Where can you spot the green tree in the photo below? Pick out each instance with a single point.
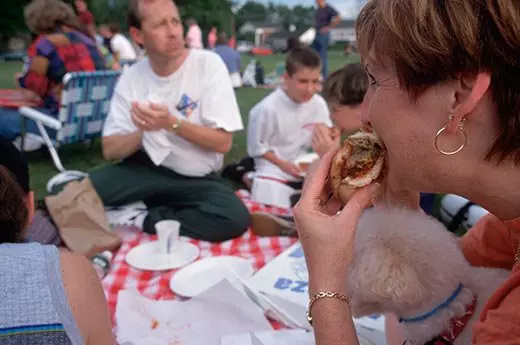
(11, 19)
(251, 11)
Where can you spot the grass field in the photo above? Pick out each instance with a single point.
(79, 157)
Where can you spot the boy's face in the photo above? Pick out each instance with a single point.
(303, 84)
(346, 117)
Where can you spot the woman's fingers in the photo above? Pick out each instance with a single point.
(317, 178)
(362, 198)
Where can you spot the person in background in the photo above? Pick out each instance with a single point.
(86, 18)
(194, 35)
(326, 18)
(231, 58)
(343, 92)
(120, 46)
(233, 41)
(41, 229)
(171, 120)
(212, 37)
(58, 48)
(280, 129)
(444, 98)
(49, 296)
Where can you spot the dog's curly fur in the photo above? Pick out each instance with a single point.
(407, 263)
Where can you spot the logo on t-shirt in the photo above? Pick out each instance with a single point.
(186, 105)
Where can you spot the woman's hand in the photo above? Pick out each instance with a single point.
(325, 139)
(326, 232)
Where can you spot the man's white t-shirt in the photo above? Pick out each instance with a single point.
(280, 125)
(123, 47)
(199, 92)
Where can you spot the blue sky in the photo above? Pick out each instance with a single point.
(347, 8)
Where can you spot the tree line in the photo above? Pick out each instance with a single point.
(226, 15)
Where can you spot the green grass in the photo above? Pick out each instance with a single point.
(79, 157)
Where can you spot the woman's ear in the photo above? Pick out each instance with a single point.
(469, 92)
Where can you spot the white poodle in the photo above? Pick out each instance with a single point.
(408, 264)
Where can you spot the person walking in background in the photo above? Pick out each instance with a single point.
(194, 35)
(326, 18)
(231, 58)
(212, 38)
(86, 18)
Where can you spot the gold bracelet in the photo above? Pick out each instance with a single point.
(324, 294)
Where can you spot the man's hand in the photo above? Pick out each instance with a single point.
(290, 168)
(152, 117)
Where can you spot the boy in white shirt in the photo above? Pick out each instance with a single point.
(120, 46)
(171, 120)
(281, 126)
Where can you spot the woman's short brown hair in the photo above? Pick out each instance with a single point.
(45, 16)
(346, 86)
(433, 41)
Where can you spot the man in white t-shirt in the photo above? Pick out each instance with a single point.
(194, 35)
(120, 46)
(281, 126)
(171, 121)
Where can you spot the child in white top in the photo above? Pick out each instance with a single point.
(281, 125)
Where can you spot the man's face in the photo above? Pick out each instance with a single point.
(303, 84)
(161, 31)
(320, 3)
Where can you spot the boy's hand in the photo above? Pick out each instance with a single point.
(290, 168)
(324, 139)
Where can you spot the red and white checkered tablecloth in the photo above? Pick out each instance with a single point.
(155, 285)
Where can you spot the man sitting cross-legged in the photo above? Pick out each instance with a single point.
(170, 123)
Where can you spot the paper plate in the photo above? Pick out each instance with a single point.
(304, 161)
(146, 256)
(196, 278)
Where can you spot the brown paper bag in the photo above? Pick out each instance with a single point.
(80, 216)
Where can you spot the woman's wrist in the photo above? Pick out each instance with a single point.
(335, 283)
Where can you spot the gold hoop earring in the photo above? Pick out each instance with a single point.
(460, 128)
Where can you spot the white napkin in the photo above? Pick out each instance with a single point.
(156, 143)
(221, 310)
(281, 337)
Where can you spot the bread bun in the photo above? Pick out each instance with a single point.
(358, 162)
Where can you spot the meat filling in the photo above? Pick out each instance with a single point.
(364, 155)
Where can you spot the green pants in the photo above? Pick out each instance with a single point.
(206, 207)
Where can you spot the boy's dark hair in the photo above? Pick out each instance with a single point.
(346, 86)
(114, 28)
(302, 57)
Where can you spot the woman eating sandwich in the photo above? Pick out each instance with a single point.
(444, 99)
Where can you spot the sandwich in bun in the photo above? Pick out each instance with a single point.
(358, 163)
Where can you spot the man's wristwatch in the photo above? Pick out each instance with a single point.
(175, 127)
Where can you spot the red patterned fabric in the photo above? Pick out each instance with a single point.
(155, 285)
(456, 327)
